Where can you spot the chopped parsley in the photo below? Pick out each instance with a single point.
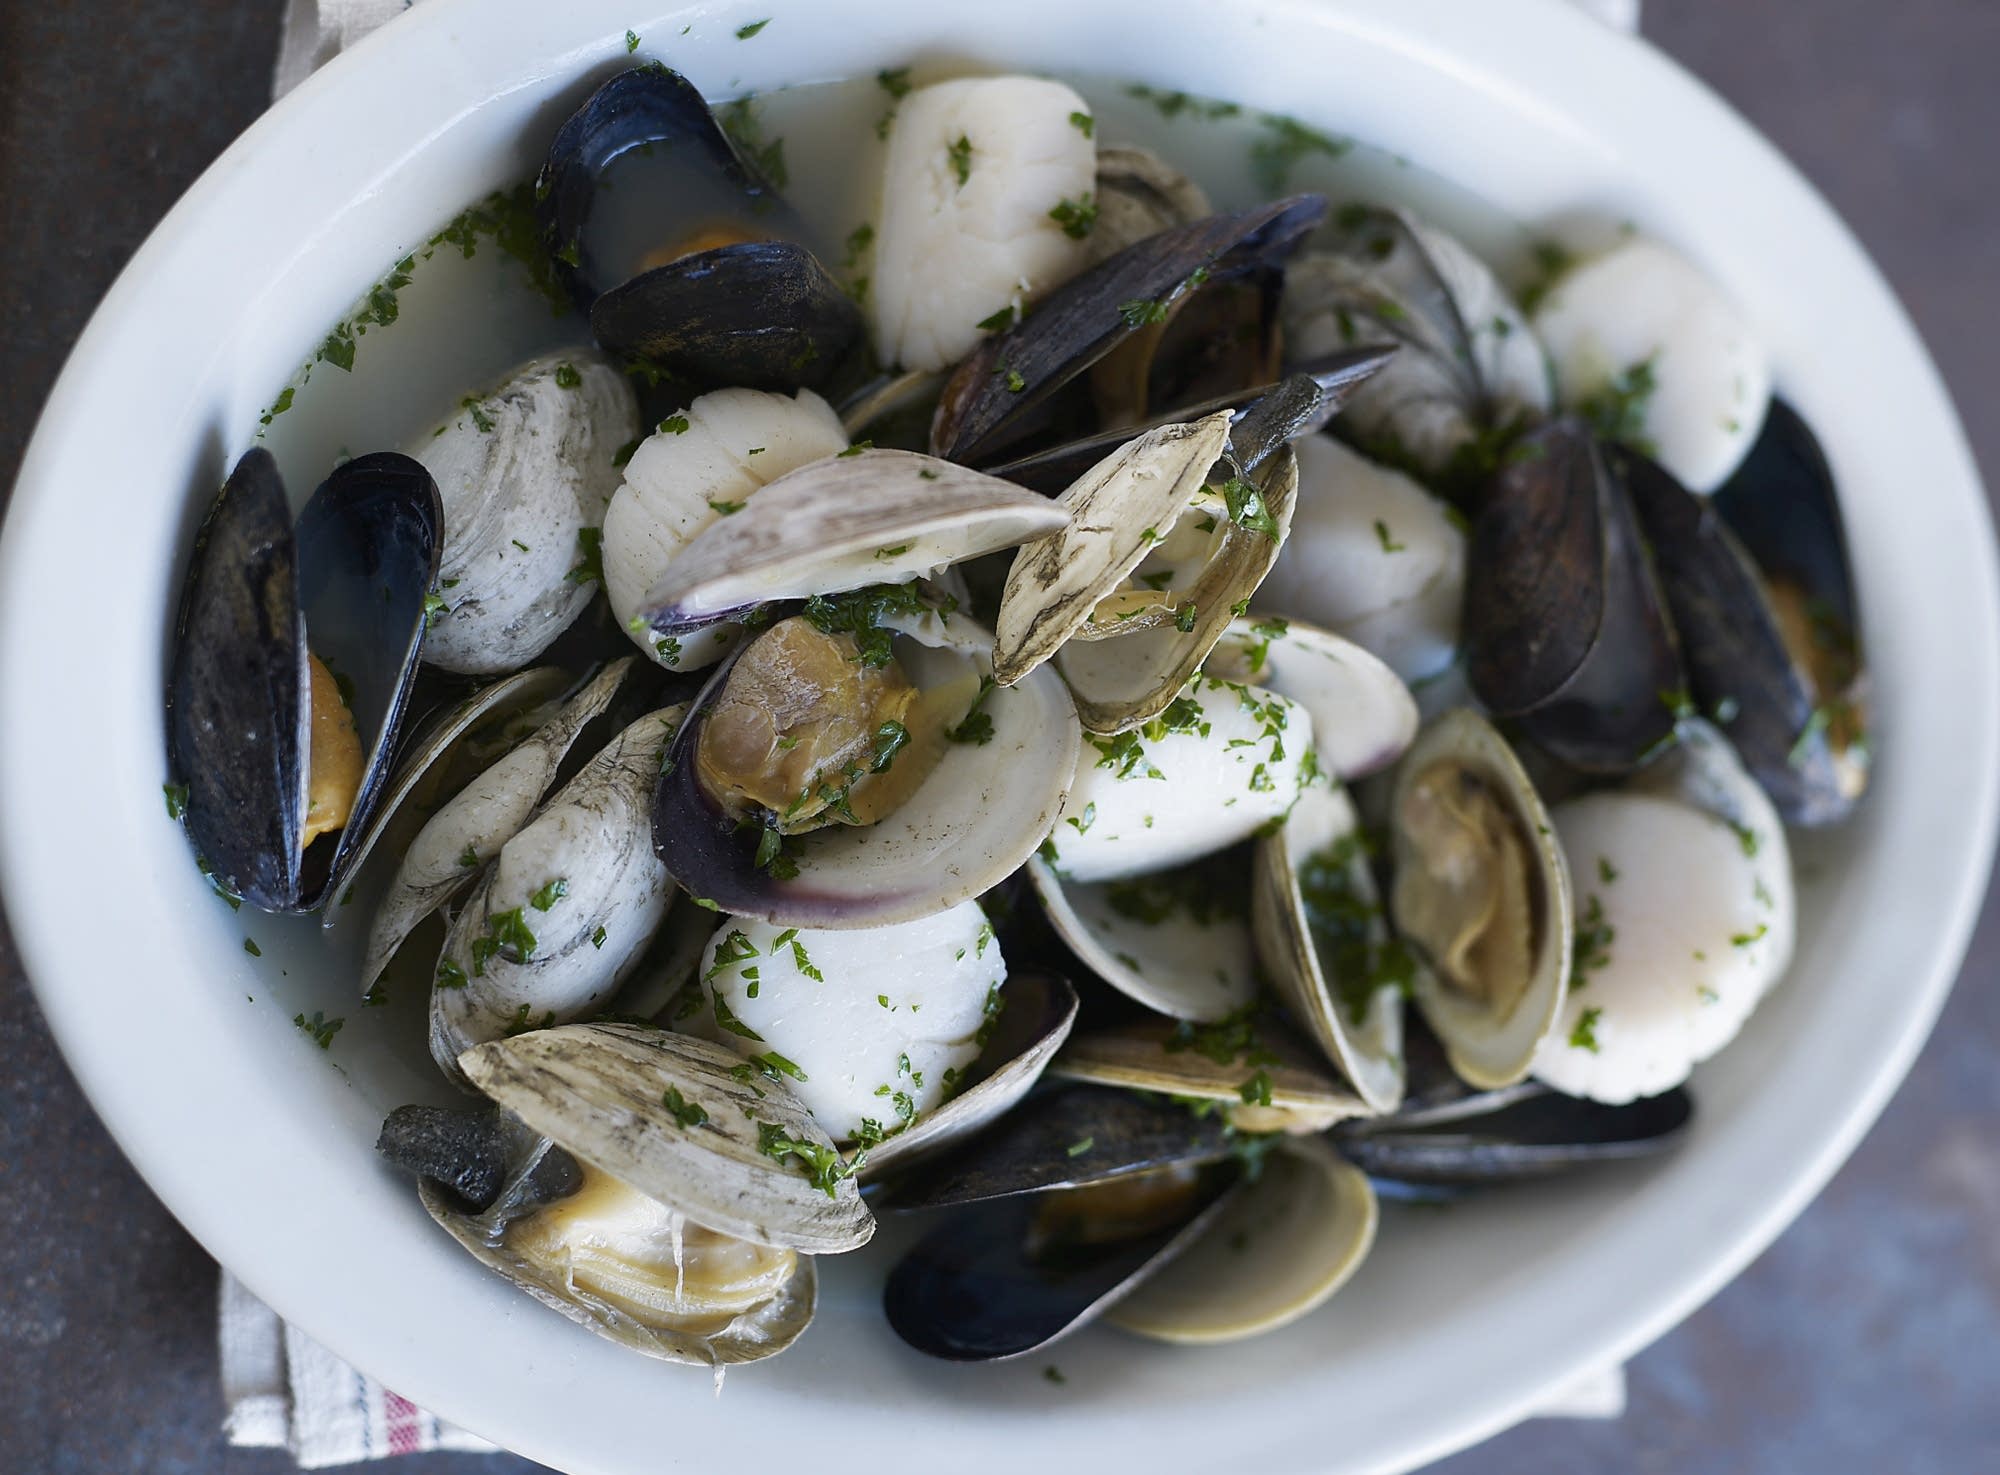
(177, 799)
(689, 1114)
(895, 81)
(1247, 508)
(746, 130)
(824, 1168)
(319, 1028)
(1080, 1147)
(1257, 1090)
(976, 727)
(590, 557)
(250, 947)
(1138, 312)
(674, 425)
(1228, 1040)
(435, 608)
(449, 974)
(551, 893)
(1745, 939)
(1606, 871)
(567, 376)
(1584, 1036)
(1077, 217)
(1083, 123)
(631, 42)
(504, 930)
(725, 509)
(1000, 321)
(744, 33)
(1617, 409)
(1357, 954)
(1285, 142)
(960, 155)
(1389, 544)
(861, 614)
(1592, 948)
(597, 938)
(1173, 104)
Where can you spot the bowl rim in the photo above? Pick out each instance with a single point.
(1484, 54)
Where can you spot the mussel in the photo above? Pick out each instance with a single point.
(683, 254)
(292, 667)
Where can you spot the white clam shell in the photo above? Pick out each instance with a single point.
(521, 473)
(1363, 716)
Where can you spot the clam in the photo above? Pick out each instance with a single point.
(462, 834)
(1159, 556)
(692, 264)
(854, 766)
(525, 473)
(1654, 353)
(567, 907)
(1686, 916)
(1481, 894)
(1762, 594)
(292, 667)
(898, 1039)
(1094, 1202)
(1372, 557)
(1322, 934)
(1255, 1073)
(1567, 623)
(1469, 372)
(1004, 390)
(637, 1187)
(985, 200)
(1139, 194)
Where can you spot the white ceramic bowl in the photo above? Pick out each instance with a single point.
(1460, 1321)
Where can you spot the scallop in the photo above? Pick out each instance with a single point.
(699, 466)
(969, 224)
(1373, 557)
(1644, 335)
(1220, 763)
(872, 1028)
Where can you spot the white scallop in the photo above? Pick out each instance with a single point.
(701, 466)
(964, 230)
(893, 1010)
(1371, 556)
(1641, 303)
(1160, 796)
(1692, 938)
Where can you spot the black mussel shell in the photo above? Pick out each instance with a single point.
(757, 315)
(1740, 667)
(350, 583)
(1068, 1137)
(1336, 376)
(1566, 625)
(1522, 1132)
(473, 1153)
(992, 396)
(657, 111)
(977, 1289)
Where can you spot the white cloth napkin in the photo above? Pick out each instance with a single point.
(282, 1389)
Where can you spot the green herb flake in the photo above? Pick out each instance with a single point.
(1053, 1373)
(177, 799)
(674, 425)
(1745, 939)
(1247, 509)
(689, 1114)
(567, 376)
(960, 155)
(1285, 142)
(1139, 312)
(1606, 871)
(1083, 123)
(551, 893)
(823, 1167)
(1000, 321)
(725, 509)
(1584, 1036)
(1257, 1090)
(597, 938)
(1617, 409)
(1592, 948)
(1077, 217)
(590, 557)
(1080, 1147)
(895, 81)
(449, 974)
(744, 33)
(250, 947)
(319, 1028)
(631, 42)
(1389, 544)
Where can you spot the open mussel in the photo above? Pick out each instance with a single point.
(635, 1185)
(292, 667)
(1002, 391)
(1090, 1202)
(1763, 596)
(682, 253)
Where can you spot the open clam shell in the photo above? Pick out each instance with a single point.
(1176, 941)
(1261, 1078)
(1277, 1249)
(1126, 640)
(445, 856)
(1566, 623)
(1463, 810)
(992, 398)
(974, 819)
(859, 518)
(347, 586)
(1322, 935)
(567, 907)
(1363, 716)
(595, 1090)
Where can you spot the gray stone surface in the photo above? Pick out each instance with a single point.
(1866, 1340)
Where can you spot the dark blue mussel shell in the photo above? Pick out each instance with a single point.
(354, 572)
